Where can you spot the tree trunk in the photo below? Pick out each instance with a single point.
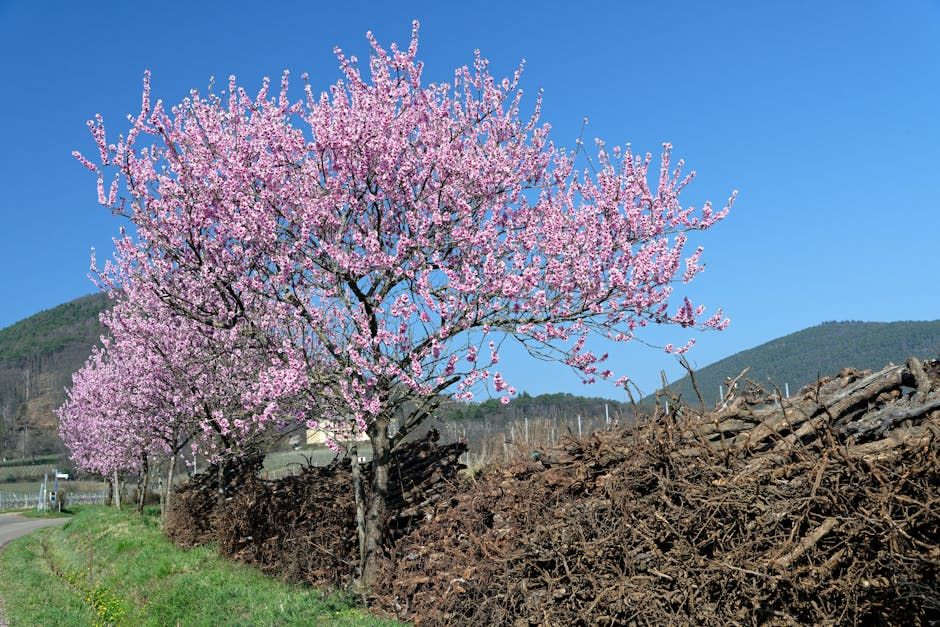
(168, 489)
(117, 491)
(374, 523)
(359, 491)
(142, 485)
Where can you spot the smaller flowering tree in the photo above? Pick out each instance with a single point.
(101, 434)
(161, 383)
(387, 236)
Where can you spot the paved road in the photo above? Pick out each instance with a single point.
(12, 526)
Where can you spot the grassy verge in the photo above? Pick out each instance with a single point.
(33, 461)
(116, 568)
(32, 512)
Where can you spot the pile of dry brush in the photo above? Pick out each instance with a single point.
(824, 508)
(302, 527)
(816, 510)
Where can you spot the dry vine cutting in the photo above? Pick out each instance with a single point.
(303, 527)
(814, 510)
(819, 509)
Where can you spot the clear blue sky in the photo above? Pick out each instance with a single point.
(823, 114)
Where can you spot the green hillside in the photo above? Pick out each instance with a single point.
(37, 358)
(53, 329)
(799, 358)
(556, 405)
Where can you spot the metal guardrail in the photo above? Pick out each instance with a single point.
(10, 500)
(86, 498)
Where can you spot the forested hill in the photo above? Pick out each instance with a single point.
(37, 358)
(799, 358)
(562, 406)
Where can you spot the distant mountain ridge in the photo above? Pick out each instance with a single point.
(37, 358)
(798, 359)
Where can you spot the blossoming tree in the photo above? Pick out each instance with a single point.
(98, 432)
(389, 234)
(161, 383)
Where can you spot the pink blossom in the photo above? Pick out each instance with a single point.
(346, 255)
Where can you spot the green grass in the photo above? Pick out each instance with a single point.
(32, 596)
(105, 567)
(33, 513)
(31, 472)
(34, 461)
